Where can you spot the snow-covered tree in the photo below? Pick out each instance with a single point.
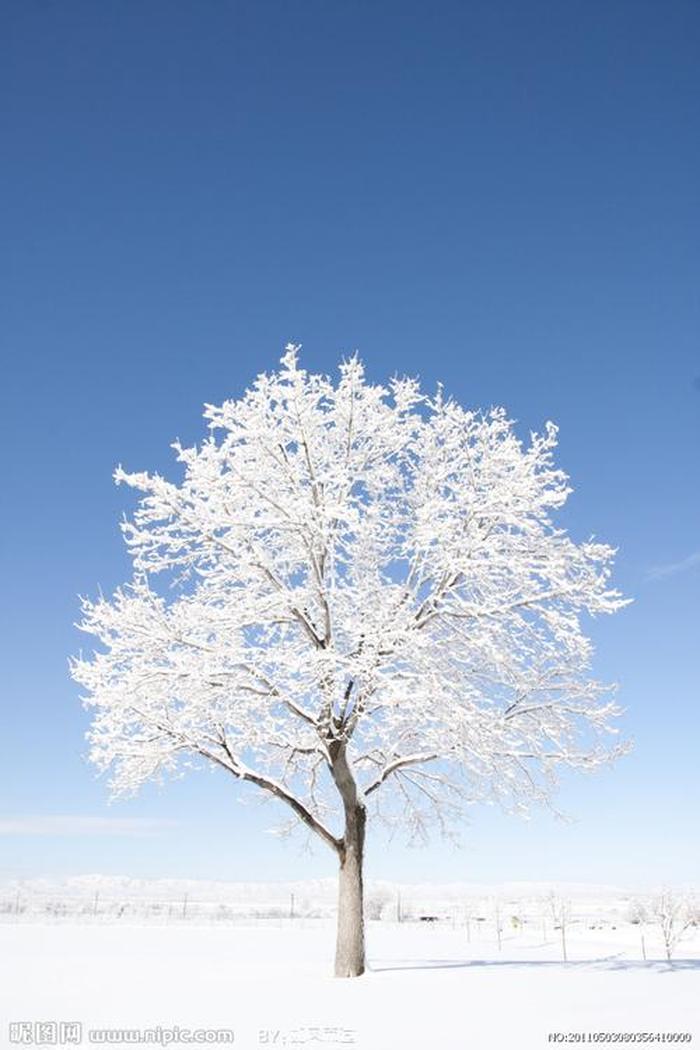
(674, 913)
(354, 598)
(377, 901)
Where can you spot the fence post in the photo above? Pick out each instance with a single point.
(497, 915)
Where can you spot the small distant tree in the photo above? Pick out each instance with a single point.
(376, 901)
(354, 597)
(637, 916)
(637, 912)
(560, 910)
(674, 914)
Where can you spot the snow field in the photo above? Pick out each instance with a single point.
(428, 987)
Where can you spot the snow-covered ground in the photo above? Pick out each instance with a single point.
(430, 985)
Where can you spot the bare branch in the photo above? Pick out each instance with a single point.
(396, 764)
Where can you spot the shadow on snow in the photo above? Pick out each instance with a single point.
(610, 962)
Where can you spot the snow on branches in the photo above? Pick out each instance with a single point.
(360, 570)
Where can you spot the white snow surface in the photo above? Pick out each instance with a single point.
(428, 986)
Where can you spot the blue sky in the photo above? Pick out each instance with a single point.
(502, 196)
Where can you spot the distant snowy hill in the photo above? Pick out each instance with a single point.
(320, 890)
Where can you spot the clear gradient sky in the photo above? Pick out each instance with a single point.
(502, 196)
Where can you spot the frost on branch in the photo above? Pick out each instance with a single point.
(357, 571)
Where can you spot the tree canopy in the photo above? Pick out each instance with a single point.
(358, 567)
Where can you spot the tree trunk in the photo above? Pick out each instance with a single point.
(350, 943)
